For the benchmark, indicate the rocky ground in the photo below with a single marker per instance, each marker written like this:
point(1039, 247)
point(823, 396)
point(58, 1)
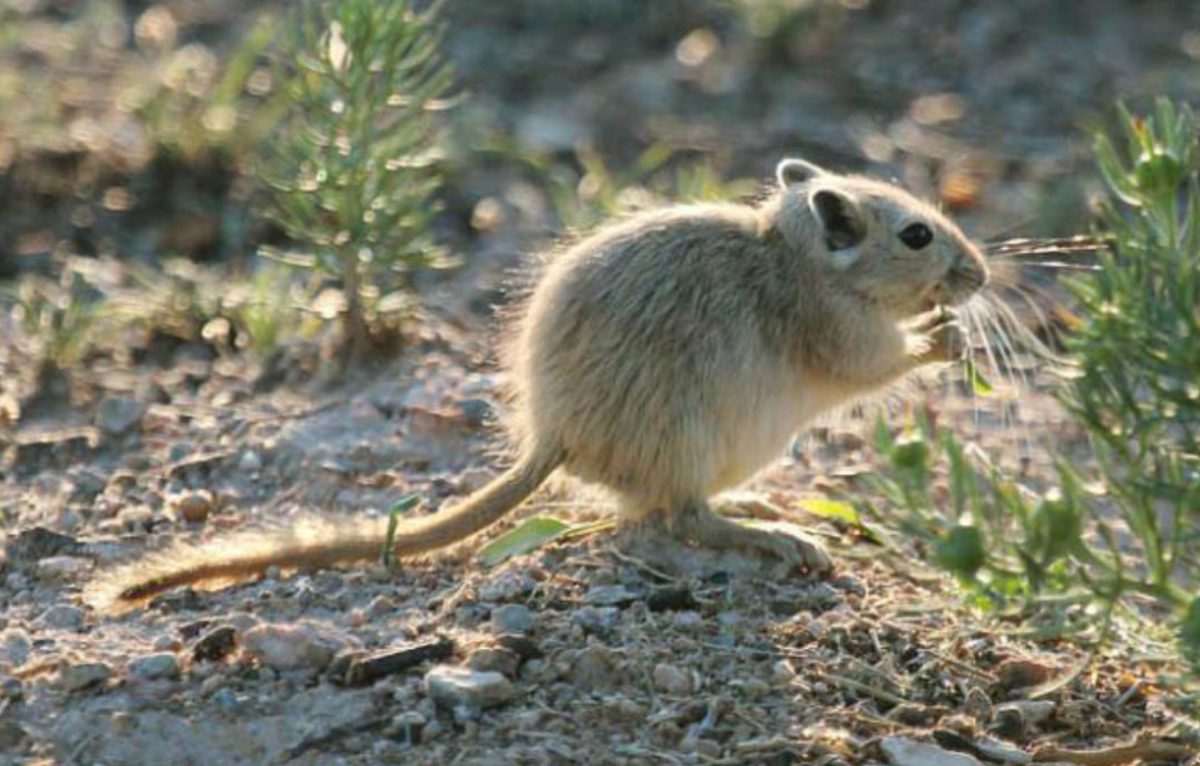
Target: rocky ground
point(576, 653)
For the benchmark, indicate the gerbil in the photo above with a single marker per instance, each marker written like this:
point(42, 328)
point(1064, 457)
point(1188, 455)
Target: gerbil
point(671, 356)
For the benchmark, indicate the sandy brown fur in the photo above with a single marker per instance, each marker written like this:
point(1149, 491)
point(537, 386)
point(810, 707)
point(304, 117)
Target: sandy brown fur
point(674, 354)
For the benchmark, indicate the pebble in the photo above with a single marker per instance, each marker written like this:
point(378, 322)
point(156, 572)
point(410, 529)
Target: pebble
point(380, 606)
point(671, 679)
point(229, 699)
point(1033, 711)
point(62, 616)
point(509, 585)
point(193, 506)
point(475, 412)
point(76, 677)
point(816, 597)
point(11, 688)
point(1018, 673)
point(153, 666)
point(729, 619)
point(291, 647)
point(687, 619)
point(14, 647)
point(115, 416)
point(901, 751)
point(512, 618)
point(250, 461)
point(454, 686)
point(491, 658)
point(595, 619)
point(407, 726)
point(610, 595)
point(594, 668)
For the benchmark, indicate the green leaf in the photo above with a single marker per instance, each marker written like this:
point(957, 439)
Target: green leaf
point(831, 509)
point(530, 535)
point(911, 453)
point(961, 551)
point(979, 384)
point(1189, 629)
point(397, 510)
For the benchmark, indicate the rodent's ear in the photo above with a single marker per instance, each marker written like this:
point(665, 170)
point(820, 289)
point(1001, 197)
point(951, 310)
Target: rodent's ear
point(840, 216)
point(792, 172)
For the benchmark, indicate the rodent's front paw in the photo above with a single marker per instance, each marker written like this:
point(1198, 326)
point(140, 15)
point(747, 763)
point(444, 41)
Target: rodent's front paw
point(947, 341)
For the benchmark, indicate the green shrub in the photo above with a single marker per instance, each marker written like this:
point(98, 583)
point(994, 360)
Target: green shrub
point(1129, 528)
point(353, 169)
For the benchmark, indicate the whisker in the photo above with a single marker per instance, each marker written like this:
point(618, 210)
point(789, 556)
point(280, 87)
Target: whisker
point(1059, 266)
point(1028, 293)
point(1030, 246)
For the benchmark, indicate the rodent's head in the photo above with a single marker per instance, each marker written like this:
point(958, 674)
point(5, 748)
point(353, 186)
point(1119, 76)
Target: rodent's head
point(880, 242)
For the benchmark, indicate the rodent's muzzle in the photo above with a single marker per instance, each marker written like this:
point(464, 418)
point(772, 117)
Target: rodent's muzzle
point(965, 278)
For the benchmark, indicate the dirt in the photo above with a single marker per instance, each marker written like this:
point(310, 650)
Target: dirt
point(579, 654)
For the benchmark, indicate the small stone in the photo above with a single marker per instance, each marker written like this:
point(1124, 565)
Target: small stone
point(1019, 673)
point(901, 751)
point(671, 598)
point(167, 644)
point(11, 688)
point(38, 543)
point(229, 699)
point(783, 672)
point(63, 617)
point(818, 597)
point(671, 679)
point(729, 619)
point(154, 666)
point(593, 669)
point(291, 647)
point(408, 726)
point(496, 659)
point(523, 646)
point(63, 567)
point(76, 677)
point(380, 606)
point(193, 506)
point(1013, 720)
point(210, 685)
point(1033, 711)
point(512, 618)
point(14, 647)
point(250, 461)
point(610, 595)
point(116, 416)
point(475, 412)
point(453, 686)
point(595, 619)
point(688, 619)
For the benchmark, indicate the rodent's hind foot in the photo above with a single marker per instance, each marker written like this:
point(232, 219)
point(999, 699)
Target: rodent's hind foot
point(694, 541)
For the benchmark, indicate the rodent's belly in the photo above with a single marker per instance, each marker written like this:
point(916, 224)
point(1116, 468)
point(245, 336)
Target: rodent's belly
point(760, 434)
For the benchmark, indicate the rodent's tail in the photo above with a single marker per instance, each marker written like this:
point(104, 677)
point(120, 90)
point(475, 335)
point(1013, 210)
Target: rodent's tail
point(316, 543)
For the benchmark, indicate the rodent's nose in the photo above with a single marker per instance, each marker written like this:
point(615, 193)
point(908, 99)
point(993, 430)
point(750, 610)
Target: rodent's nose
point(971, 268)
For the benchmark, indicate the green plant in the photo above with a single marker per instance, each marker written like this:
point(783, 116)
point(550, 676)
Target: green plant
point(1128, 531)
point(353, 169)
point(57, 319)
point(1137, 388)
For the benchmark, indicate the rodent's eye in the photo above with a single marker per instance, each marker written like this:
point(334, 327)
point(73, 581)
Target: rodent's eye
point(916, 235)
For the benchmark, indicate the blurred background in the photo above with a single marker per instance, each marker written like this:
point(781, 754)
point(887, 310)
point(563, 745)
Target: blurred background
point(127, 129)
point(132, 139)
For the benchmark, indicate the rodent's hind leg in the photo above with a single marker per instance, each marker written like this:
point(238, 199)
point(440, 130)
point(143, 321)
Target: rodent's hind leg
point(693, 540)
